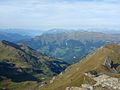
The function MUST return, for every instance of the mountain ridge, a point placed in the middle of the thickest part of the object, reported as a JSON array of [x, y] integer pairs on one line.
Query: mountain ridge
[[70, 45], [21, 64], [75, 74]]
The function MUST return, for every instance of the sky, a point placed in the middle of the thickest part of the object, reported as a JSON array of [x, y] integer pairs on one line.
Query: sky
[[70, 14]]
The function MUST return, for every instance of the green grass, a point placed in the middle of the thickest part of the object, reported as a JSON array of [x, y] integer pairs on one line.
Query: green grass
[[18, 86]]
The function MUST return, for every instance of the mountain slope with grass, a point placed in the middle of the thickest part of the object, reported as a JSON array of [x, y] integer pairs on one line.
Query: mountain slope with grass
[[104, 60], [21, 65]]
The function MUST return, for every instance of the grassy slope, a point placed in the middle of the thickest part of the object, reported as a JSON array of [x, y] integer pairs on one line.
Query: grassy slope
[[11, 54], [25, 59], [74, 75], [8, 84]]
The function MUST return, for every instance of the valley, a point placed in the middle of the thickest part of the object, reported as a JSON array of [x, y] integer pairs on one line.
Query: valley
[[71, 45], [64, 60]]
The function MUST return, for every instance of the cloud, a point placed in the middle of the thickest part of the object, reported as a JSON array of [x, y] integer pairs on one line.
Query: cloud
[[59, 13]]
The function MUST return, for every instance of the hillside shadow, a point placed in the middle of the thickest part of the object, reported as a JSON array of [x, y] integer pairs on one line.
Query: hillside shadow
[[9, 71], [114, 65]]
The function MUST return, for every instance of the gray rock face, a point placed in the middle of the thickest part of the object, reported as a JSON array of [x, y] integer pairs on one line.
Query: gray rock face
[[109, 64], [84, 87], [105, 81]]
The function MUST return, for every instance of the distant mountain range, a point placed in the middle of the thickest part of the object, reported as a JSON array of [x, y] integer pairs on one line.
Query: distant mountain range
[[70, 45], [22, 65], [13, 37], [24, 32]]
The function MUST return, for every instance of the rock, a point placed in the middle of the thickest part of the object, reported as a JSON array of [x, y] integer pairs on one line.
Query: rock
[[51, 81], [108, 63], [73, 88]]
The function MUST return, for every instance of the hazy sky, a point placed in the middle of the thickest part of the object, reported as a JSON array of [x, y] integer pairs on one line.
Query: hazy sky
[[44, 14]]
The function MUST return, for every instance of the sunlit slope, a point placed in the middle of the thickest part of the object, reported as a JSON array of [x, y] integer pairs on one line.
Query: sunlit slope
[[74, 75]]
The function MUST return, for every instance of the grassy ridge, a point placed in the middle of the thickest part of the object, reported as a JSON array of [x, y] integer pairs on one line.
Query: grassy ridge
[[74, 75], [22, 68]]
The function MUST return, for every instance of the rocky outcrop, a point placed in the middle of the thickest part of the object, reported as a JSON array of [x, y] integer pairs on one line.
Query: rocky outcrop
[[73, 88], [109, 64], [83, 87], [105, 81]]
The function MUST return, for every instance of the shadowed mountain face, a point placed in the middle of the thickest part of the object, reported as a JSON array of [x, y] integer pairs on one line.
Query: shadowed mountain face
[[19, 64], [70, 46], [105, 60], [9, 71]]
